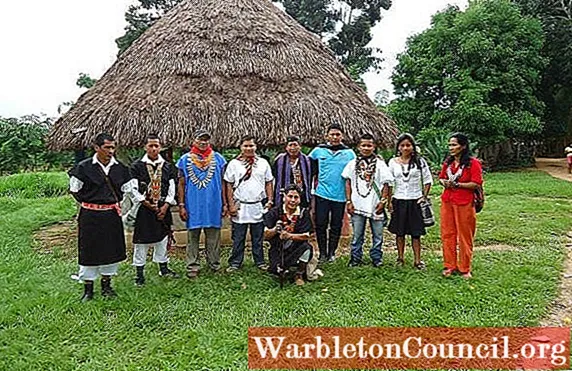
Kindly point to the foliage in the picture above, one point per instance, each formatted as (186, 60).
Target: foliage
(85, 81)
(346, 25)
(182, 325)
(34, 185)
(556, 87)
(434, 146)
(23, 147)
(474, 71)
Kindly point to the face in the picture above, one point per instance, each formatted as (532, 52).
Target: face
(202, 143)
(406, 148)
(292, 199)
(334, 136)
(455, 148)
(153, 147)
(293, 149)
(248, 148)
(106, 151)
(366, 147)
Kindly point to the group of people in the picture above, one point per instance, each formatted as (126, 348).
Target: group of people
(283, 203)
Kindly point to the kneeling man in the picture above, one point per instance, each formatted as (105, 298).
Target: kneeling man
(288, 228)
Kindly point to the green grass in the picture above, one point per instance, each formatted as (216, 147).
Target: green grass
(34, 185)
(182, 325)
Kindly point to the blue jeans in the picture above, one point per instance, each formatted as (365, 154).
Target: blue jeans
(238, 243)
(358, 223)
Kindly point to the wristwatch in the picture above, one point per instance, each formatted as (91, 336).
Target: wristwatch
(456, 184)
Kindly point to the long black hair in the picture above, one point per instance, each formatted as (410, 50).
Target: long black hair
(465, 158)
(415, 157)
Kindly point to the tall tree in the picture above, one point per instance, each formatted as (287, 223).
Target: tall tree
(474, 71)
(344, 24)
(556, 87)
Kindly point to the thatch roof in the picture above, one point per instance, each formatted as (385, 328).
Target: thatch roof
(231, 66)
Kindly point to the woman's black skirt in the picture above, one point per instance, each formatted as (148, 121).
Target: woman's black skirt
(406, 218)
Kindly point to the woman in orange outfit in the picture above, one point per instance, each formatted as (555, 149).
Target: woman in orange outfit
(461, 175)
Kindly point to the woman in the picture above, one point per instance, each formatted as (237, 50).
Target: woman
(460, 176)
(411, 186)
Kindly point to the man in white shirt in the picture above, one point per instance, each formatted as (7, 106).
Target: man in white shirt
(249, 187)
(367, 179)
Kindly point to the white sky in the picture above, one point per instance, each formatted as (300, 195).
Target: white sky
(44, 45)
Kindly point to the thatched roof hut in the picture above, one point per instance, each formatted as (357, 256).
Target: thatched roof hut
(230, 66)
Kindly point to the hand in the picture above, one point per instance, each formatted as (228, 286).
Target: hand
(232, 210)
(390, 207)
(150, 206)
(269, 205)
(350, 208)
(285, 236)
(224, 211)
(163, 212)
(183, 213)
(379, 208)
(422, 200)
(446, 183)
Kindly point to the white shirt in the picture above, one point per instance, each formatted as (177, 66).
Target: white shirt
(137, 196)
(409, 188)
(248, 194)
(366, 205)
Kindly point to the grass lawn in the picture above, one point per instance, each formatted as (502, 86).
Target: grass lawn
(183, 325)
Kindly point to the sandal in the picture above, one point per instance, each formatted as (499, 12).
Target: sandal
(420, 266)
(447, 272)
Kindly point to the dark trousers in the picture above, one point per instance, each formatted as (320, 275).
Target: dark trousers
(238, 243)
(328, 213)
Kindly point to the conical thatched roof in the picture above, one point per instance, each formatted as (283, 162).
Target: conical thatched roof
(231, 66)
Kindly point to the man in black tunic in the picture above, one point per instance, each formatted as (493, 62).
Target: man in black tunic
(155, 190)
(98, 183)
(288, 228)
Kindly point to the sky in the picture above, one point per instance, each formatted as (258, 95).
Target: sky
(44, 45)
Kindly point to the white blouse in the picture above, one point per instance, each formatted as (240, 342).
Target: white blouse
(408, 186)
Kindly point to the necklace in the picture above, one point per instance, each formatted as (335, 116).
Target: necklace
(453, 177)
(194, 178)
(155, 174)
(405, 173)
(365, 170)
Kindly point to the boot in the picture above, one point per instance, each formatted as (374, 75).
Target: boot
(299, 277)
(164, 271)
(140, 278)
(106, 289)
(87, 291)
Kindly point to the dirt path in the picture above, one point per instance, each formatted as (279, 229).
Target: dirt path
(561, 309)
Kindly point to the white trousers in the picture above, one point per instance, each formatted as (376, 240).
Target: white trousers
(91, 273)
(159, 252)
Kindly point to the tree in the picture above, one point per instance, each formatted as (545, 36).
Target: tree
(474, 71)
(345, 25)
(556, 87)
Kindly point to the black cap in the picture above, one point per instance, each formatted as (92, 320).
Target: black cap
(202, 133)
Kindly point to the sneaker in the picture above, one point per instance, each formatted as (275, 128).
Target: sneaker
(139, 281)
(447, 272)
(263, 267)
(322, 260)
(353, 264)
(420, 266)
(331, 259)
(377, 264)
(231, 269)
(168, 273)
(467, 275)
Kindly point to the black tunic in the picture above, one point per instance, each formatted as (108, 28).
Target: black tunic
(293, 253)
(100, 232)
(149, 229)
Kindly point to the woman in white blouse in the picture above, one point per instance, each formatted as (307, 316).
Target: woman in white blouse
(409, 172)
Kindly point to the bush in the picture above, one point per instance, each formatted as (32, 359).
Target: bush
(34, 185)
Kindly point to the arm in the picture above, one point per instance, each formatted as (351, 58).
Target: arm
(269, 188)
(349, 204)
(181, 196)
(232, 210)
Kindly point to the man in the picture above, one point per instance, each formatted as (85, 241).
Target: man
(288, 228)
(98, 184)
(249, 194)
(201, 203)
(154, 188)
(367, 182)
(293, 167)
(330, 159)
